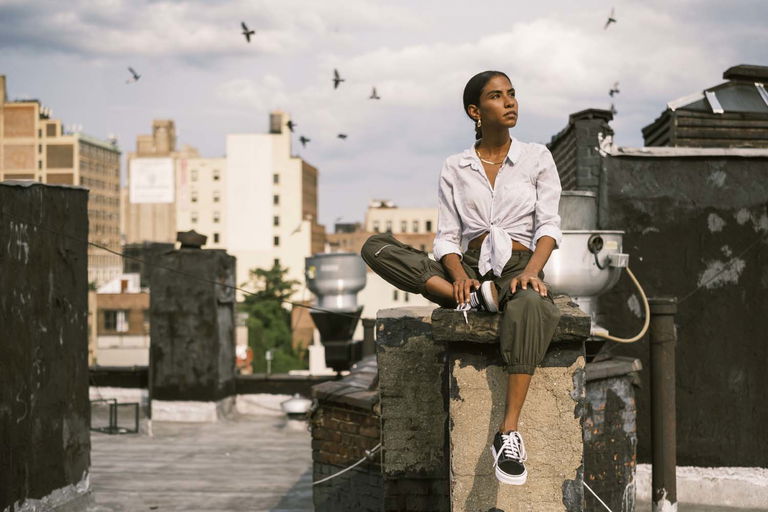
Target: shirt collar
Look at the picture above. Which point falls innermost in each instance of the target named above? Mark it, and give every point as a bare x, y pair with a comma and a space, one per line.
470, 158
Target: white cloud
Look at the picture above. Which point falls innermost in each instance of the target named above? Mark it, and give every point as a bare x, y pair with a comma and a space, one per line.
198, 70
192, 29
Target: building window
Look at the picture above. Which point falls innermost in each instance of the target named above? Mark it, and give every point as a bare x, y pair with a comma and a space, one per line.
116, 320
216, 196
216, 175
389, 226
403, 226
216, 217
277, 262
428, 226
275, 199
215, 238
394, 294
415, 226
276, 179
376, 226
39, 164
423, 247
193, 174
193, 217
39, 149
406, 296
193, 196
275, 220
276, 241
40, 133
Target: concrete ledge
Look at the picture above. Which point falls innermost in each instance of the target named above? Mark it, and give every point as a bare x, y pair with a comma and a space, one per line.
725, 487
358, 389
191, 411
449, 325
278, 383
121, 394
261, 404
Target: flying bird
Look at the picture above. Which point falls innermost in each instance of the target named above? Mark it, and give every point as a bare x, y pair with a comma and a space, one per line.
135, 76
291, 125
342, 136
303, 141
614, 89
337, 79
374, 96
247, 33
611, 18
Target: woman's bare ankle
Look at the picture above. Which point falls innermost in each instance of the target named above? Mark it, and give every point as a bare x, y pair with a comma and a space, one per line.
507, 426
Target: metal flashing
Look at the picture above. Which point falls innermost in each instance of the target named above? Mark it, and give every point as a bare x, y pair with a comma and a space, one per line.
686, 151
761, 90
714, 103
685, 100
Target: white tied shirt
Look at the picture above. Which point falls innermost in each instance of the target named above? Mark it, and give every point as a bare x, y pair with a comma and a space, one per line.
522, 205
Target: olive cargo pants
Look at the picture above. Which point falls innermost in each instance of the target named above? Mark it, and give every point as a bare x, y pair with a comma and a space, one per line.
528, 319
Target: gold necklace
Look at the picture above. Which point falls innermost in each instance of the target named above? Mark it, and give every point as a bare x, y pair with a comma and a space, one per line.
488, 161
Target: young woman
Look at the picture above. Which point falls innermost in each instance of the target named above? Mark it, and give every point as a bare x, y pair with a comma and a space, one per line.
497, 225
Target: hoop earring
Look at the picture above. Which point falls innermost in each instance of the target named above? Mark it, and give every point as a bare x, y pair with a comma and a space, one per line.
478, 124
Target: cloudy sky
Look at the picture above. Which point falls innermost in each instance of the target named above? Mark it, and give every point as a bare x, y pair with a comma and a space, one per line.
198, 70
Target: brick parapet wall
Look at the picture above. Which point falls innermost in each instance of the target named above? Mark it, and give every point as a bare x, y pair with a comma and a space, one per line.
346, 427
341, 435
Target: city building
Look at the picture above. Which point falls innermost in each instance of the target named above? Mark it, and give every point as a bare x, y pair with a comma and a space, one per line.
35, 146
122, 323
259, 202
384, 216
157, 175
201, 198
412, 226
271, 203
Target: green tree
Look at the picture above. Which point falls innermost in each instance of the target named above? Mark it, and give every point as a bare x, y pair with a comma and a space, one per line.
269, 323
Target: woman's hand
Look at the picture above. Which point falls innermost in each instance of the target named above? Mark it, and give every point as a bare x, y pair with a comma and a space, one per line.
462, 287
528, 278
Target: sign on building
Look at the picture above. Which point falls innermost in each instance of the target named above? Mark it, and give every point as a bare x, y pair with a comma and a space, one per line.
151, 180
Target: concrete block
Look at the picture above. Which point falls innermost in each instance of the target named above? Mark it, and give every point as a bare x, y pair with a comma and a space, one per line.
550, 429
44, 410
193, 411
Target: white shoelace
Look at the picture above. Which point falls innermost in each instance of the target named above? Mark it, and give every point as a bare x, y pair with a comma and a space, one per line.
512, 447
469, 306
464, 308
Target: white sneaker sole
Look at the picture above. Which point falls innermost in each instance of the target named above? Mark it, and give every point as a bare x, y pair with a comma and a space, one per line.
507, 478
487, 291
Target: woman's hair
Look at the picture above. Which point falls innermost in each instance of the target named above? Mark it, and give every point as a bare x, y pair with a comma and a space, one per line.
474, 89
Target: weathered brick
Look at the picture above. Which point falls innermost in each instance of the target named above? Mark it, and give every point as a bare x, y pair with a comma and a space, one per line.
372, 432
351, 428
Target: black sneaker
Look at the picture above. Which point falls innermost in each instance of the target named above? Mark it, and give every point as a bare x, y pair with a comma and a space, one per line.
509, 456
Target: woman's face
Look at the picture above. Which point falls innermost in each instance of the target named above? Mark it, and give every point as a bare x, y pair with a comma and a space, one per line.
498, 105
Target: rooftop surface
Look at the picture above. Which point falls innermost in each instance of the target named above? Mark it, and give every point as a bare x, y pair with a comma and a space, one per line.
253, 462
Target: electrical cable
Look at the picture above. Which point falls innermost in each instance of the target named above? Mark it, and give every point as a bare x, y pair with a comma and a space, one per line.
596, 496
647, 322
646, 307
170, 269
368, 455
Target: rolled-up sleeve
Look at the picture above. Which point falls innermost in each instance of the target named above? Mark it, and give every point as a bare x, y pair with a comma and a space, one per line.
548, 188
448, 237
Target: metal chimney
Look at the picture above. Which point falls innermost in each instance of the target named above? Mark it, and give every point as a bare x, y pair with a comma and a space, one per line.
335, 278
